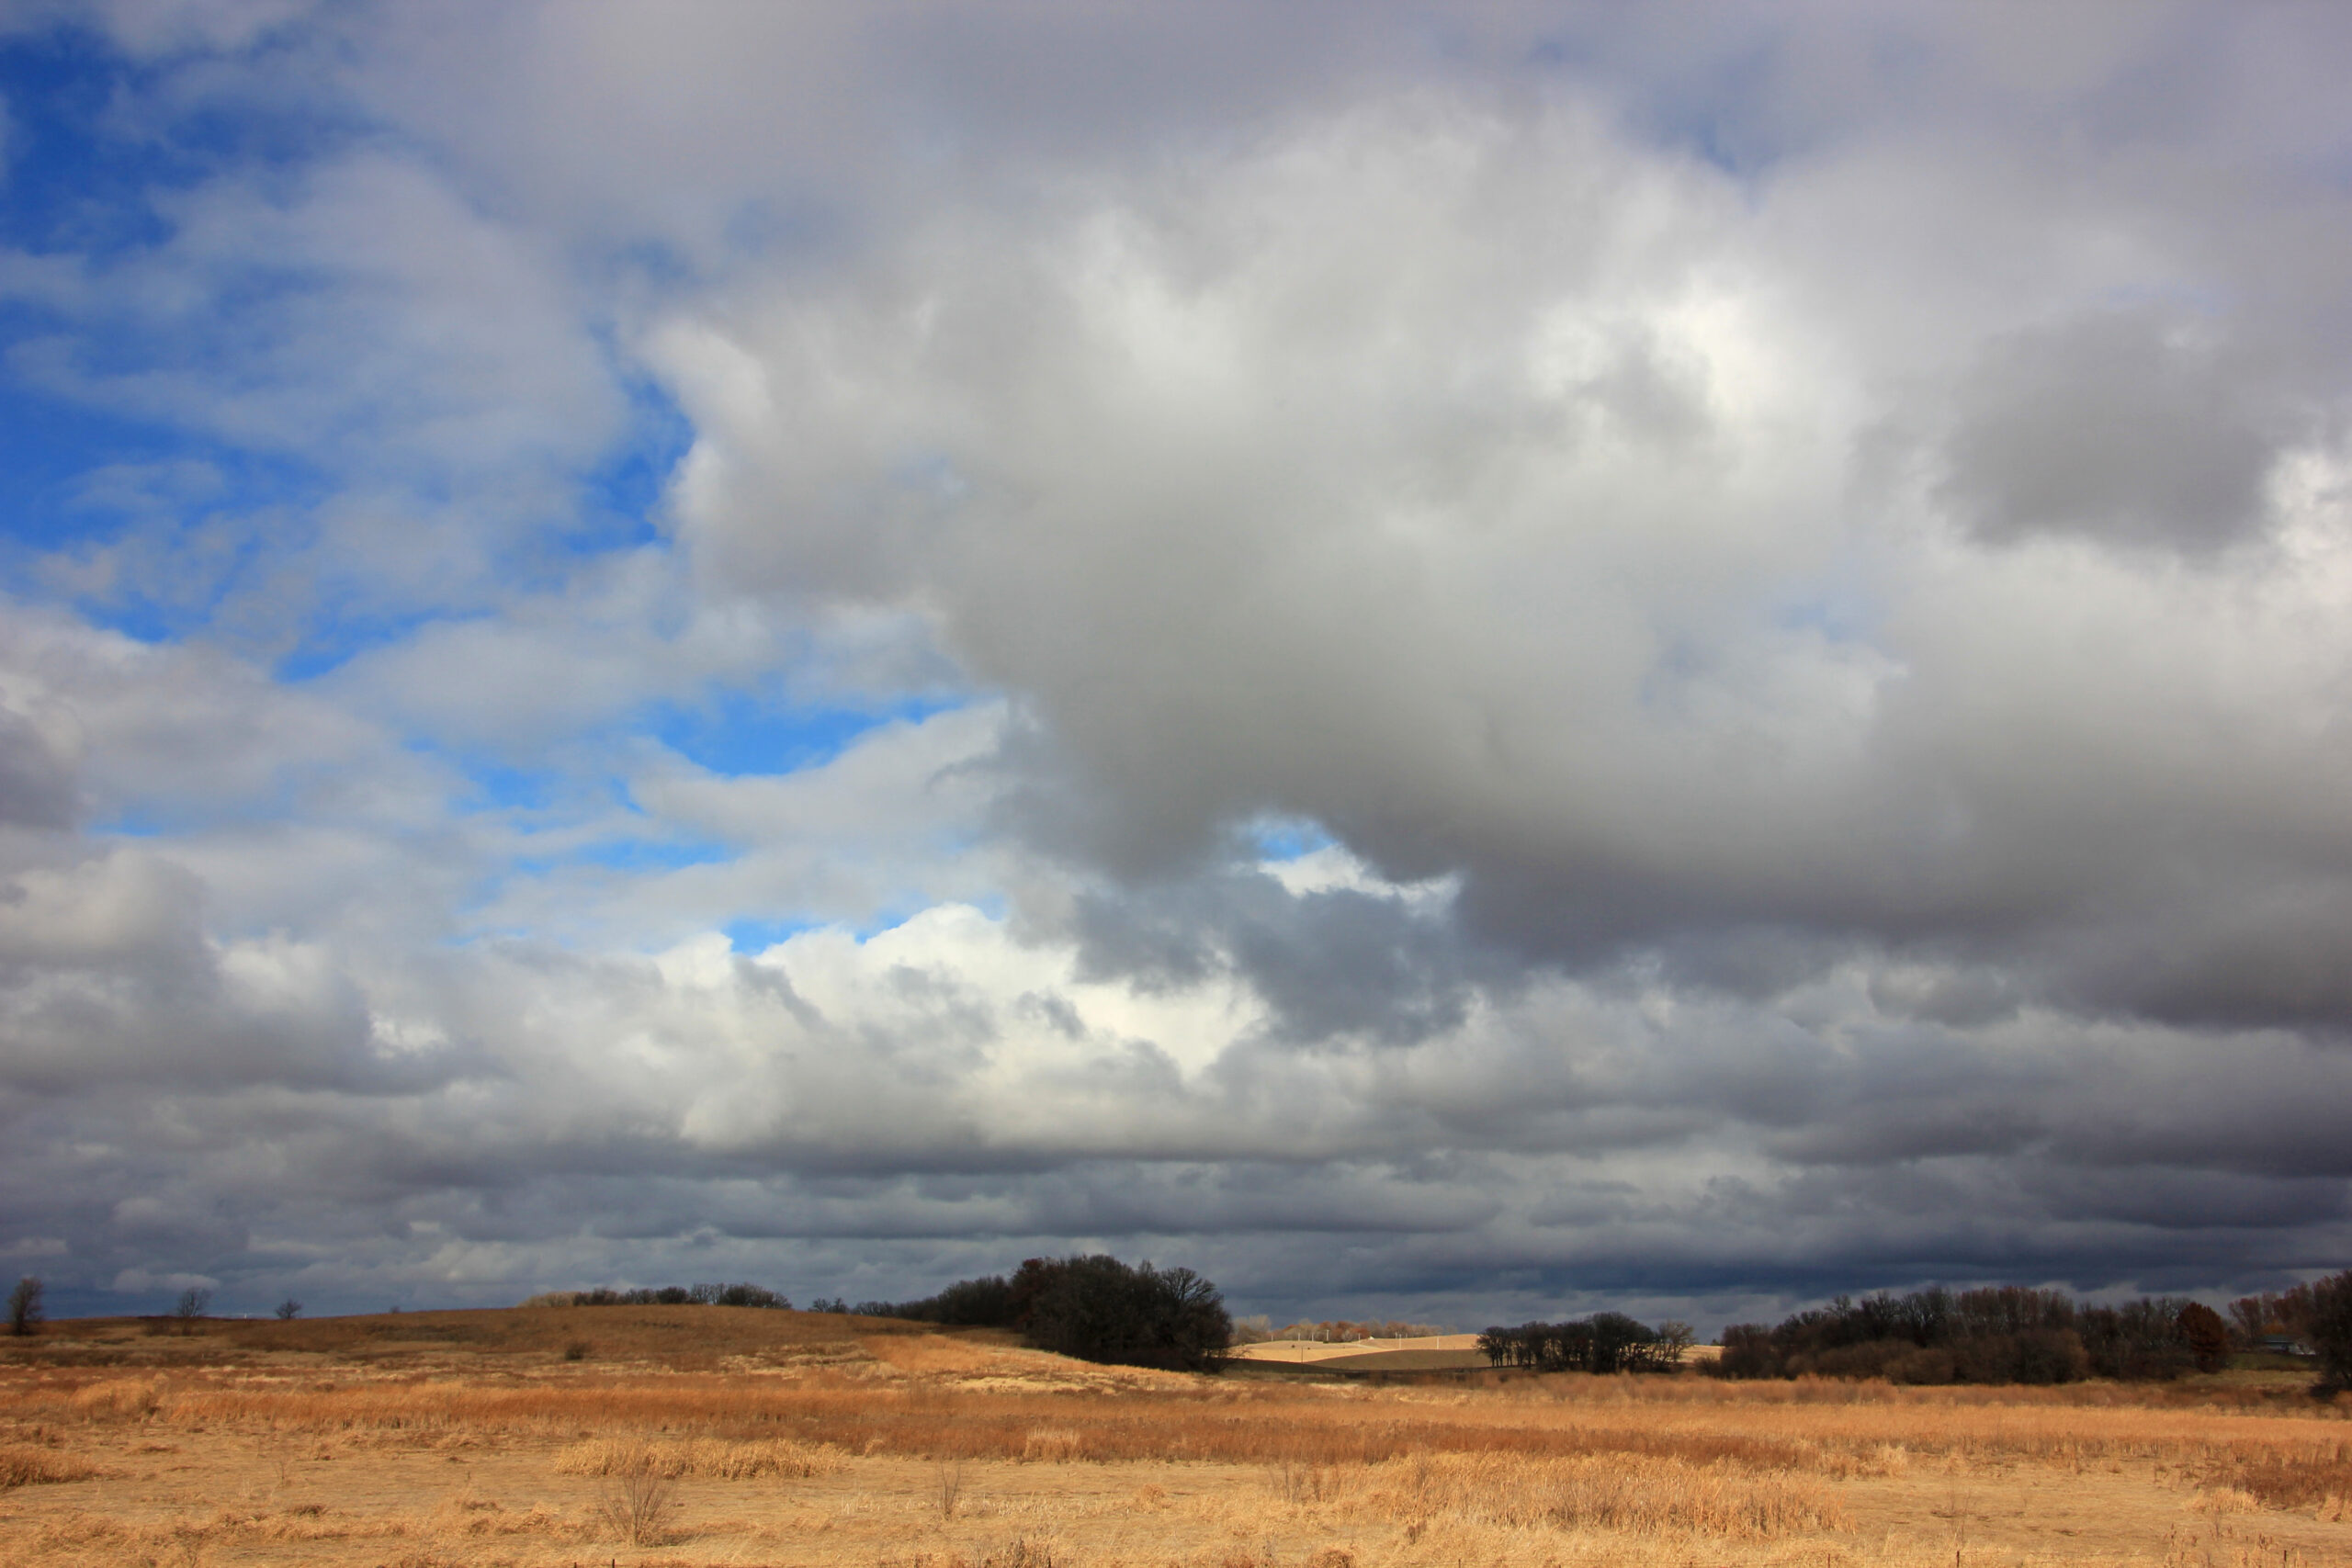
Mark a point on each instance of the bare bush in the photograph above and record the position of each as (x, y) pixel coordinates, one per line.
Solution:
(951, 1489)
(637, 1495)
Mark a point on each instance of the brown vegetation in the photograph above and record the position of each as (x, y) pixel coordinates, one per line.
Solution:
(705, 1435)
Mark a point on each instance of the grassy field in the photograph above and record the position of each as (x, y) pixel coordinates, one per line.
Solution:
(678, 1436)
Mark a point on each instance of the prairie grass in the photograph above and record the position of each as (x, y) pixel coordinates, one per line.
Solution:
(825, 1443)
(22, 1466)
(709, 1457)
(118, 1399)
(1756, 1426)
(1606, 1492)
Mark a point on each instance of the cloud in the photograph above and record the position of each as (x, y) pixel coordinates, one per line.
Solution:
(361, 294)
(152, 27)
(2110, 426)
(696, 681)
(389, 399)
(1526, 548)
(36, 786)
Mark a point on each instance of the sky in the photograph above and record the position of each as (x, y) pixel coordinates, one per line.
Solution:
(1460, 662)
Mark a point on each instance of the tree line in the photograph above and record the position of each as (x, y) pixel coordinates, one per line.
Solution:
(1342, 1330)
(2291, 1314)
(1094, 1308)
(1605, 1342)
(2014, 1335)
(667, 1295)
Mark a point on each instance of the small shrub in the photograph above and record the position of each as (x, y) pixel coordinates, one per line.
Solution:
(639, 1494)
(951, 1489)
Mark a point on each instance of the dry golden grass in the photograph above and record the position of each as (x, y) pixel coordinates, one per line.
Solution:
(707, 1457)
(705, 1436)
(21, 1466)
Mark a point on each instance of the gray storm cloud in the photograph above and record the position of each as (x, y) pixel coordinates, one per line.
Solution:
(1494, 505)
(1796, 610)
(2105, 427)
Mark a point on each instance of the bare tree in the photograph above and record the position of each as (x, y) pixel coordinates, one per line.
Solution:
(24, 1306)
(194, 1302)
(288, 1310)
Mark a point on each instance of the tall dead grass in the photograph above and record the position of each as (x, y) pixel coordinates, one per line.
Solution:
(1603, 1469)
(1609, 1492)
(1646, 1497)
(22, 1466)
(711, 1458)
(118, 1399)
(2262, 1449)
(194, 1537)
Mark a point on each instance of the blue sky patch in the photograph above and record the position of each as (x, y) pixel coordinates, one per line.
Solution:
(740, 733)
(1287, 837)
(750, 935)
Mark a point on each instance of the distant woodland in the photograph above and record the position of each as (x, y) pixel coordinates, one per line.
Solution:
(1097, 1309)
(1605, 1342)
(2012, 1335)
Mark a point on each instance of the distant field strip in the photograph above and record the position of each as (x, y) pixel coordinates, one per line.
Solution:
(1425, 1353)
(1318, 1350)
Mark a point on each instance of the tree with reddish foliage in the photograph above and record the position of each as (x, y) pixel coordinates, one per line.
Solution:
(2207, 1336)
(2272, 1314)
